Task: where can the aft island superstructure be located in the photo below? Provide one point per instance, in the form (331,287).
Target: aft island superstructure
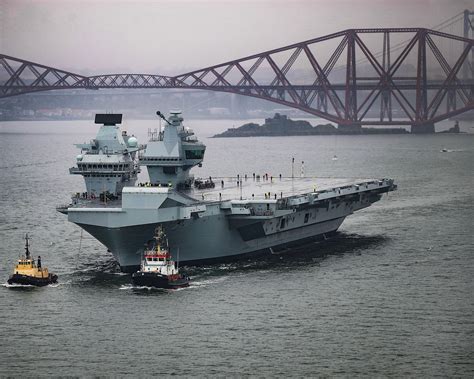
(208,221)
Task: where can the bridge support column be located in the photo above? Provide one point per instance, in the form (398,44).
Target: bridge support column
(423,128)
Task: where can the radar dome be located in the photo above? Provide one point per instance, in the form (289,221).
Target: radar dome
(79,157)
(132,142)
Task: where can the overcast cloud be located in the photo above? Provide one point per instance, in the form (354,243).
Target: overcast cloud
(169,37)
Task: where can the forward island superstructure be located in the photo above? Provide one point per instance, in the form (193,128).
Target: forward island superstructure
(205,222)
(107,162)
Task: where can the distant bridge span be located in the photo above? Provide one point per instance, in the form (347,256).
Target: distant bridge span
(353,77)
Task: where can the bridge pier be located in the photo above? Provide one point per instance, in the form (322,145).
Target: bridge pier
(349,128)
(423,128)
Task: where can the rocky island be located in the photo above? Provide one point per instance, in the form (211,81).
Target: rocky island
(281,125)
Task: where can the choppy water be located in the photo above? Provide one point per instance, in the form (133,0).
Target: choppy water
(390,295)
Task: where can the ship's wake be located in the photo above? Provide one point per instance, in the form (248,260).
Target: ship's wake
(24,286)
(146,289)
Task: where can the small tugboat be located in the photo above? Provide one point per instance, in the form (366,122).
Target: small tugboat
(157,269)
(27,272)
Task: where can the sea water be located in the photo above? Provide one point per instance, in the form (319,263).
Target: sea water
(390,295)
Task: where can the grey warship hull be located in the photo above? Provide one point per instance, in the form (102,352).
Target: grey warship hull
(204,220)
(210,248)
(219,230)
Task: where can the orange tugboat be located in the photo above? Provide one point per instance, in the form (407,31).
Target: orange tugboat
(157,269)
(27,272)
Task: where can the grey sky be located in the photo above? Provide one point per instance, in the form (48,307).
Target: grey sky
(169,37)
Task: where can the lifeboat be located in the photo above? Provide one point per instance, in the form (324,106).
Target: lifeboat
(157,269)
(28,272)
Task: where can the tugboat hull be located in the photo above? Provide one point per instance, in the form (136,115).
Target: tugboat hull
(149,279)
(32,281)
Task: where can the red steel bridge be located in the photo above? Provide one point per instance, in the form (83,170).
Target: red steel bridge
(395,76)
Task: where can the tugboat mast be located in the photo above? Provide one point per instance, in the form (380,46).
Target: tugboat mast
(27,251)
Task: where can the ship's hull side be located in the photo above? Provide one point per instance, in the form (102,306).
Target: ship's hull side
(209,239)
(32,281)
(218,231)
(150,279)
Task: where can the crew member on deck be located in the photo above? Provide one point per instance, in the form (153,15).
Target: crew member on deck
(39,261)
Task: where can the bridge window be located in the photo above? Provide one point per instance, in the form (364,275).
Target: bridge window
(194,154)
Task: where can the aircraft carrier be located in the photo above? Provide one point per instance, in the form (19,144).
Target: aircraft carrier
(204,219)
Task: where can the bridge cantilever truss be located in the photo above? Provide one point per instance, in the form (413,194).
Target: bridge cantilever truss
(353,77)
